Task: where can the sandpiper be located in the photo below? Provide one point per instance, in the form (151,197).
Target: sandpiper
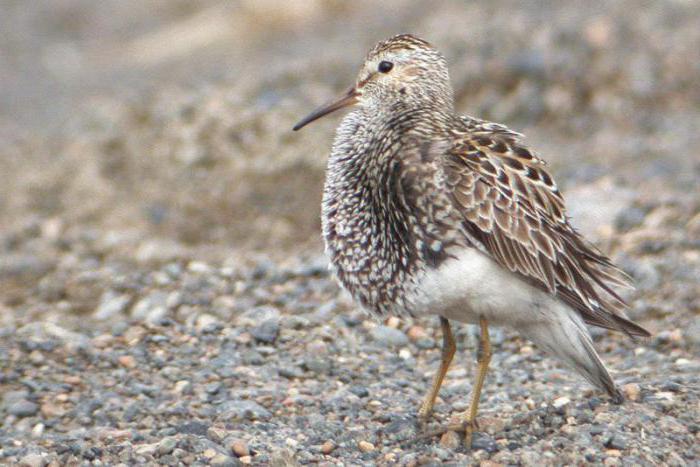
(429,212)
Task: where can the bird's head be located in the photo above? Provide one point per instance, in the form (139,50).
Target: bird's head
(401,71)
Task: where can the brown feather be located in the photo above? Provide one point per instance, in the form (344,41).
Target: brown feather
(518,214)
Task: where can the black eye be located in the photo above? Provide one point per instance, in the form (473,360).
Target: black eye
(385,67)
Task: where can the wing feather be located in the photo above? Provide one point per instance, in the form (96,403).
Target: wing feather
(512,206)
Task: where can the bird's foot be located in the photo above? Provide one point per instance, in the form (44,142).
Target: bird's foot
(467,427)
(423,416)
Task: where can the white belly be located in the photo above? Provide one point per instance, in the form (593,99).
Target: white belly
(473,285)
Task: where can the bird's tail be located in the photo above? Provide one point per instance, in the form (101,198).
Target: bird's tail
(567,338)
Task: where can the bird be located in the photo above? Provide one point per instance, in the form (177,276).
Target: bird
(426,212)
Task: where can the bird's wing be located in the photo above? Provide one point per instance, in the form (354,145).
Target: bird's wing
(513,209)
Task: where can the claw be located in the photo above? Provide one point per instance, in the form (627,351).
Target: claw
(467,427)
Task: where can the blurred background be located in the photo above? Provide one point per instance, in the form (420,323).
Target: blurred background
(135,133)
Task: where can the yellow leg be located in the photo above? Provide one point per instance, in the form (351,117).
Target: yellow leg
(484,358)
(448,351)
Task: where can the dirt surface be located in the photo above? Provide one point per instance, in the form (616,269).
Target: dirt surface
(163,293)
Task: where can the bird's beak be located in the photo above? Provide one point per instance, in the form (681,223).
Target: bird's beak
(348,98)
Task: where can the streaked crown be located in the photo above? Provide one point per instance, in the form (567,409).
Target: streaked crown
(404,69)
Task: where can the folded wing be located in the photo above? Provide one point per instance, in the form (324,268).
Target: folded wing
(513,209)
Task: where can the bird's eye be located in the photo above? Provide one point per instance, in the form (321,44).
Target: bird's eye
(385,67)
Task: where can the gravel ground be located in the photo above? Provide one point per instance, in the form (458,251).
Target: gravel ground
(163,296)
(268,364)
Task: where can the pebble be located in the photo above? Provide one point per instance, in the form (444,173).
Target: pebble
(631,391)
(222,460)
(147,449)
(450,440)
(266,331)
(243,410)
(365,446)
(616,441)
(416,333)
(327,447)
(38,430)
(207,323)
(166,445)
(561,402)
(485,442)
(216,434)
(127,361)
(183,387)
(23,408)
(151,308)
(111,305)
(388,336)
(34,460)
(239,447)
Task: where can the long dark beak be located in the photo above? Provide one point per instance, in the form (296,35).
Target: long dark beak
(349,98)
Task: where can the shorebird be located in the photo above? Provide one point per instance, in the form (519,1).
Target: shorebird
(426,212)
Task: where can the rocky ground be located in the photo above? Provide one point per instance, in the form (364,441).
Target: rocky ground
(163,293)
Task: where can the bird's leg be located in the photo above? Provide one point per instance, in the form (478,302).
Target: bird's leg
(483,358)
(469,424)
(448,351)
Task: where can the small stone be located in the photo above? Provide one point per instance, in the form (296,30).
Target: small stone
(198,267)
(492,425)
(266,331)
(38,430)
(359,391)
(111,305)
(243,410)
(33,460)
(127,361)
(36,357)
(216,434)
(416,332)
(482,441)
(183,387)
(193,428)
(631,391)
(152,308)
(561,402)
(327,447)
(166,445)
(102,341)
(246,460)
(146,449)
(425,343)
(616,442)
(389,337)
(113,434)
(365,446)
(23,408)
(222,460)
(318,365)
(393,322)
(239,447)
(450,440)
(207,323)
